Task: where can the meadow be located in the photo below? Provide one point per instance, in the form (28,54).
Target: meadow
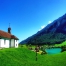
(24,57)
(62,44)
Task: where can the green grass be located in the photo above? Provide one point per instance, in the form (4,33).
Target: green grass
(25,57)
(62,44)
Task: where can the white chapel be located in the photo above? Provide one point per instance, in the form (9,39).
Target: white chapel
(8,40)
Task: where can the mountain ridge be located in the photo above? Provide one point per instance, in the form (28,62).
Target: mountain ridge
(54,31)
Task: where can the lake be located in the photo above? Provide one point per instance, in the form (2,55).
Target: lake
(53,50)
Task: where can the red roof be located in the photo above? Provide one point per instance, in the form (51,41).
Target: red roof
(7,35)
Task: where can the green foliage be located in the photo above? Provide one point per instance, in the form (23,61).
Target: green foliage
(25,57)
(48,38)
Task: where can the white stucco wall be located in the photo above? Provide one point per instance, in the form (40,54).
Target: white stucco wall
(4,44)
(7,43)
(12,43)
(0,42)
(16,43)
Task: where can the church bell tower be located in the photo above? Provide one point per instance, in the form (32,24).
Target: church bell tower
(9,29)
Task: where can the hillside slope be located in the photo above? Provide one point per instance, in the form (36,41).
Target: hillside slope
(25,57)
(56,32)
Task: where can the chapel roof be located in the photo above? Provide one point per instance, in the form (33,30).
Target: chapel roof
(7,35)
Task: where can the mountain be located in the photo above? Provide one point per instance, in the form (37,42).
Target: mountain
(51,34)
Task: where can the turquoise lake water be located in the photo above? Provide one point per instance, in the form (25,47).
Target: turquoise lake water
(53,50)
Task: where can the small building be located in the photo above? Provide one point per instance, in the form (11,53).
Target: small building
(8,40)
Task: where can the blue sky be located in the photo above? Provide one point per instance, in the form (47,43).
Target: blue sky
(26,17)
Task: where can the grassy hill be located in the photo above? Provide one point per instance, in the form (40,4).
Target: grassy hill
(61,44)
(25,57)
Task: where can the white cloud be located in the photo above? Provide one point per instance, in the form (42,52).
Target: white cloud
(45,25)
(39,29)
(49,22)
(42,27)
